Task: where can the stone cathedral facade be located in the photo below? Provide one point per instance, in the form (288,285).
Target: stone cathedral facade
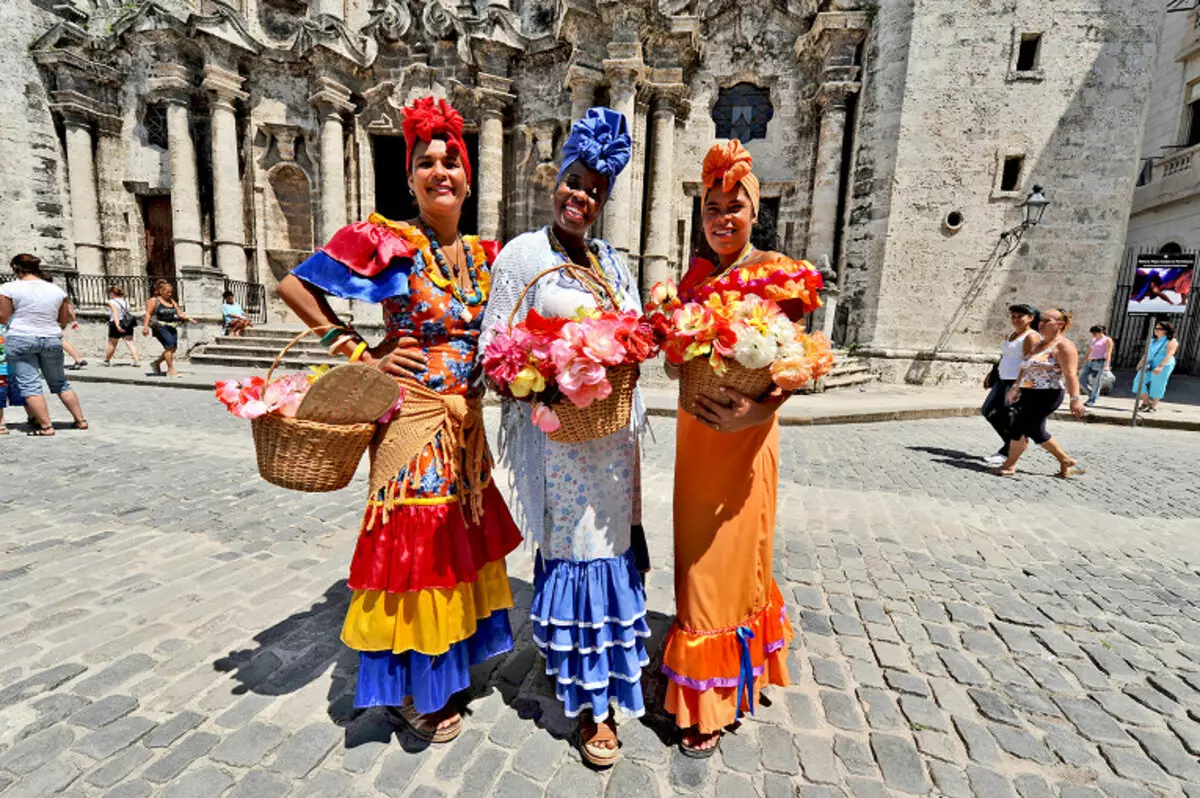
(895,140)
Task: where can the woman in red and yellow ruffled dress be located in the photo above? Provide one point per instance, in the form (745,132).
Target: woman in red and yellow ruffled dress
(731,631)
(431,592)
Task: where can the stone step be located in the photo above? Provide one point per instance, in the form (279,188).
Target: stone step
(258,364)
(263,345)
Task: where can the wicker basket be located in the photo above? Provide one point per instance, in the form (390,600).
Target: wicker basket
(699,379)
(602,418)
(307,455)
(304,455)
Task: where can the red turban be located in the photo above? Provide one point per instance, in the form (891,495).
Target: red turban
(429,118)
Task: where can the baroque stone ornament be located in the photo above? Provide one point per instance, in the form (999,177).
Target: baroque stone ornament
(394,20)
(437,20)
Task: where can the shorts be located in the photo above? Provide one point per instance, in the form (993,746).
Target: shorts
(167,335)
(30,359)
(116,332)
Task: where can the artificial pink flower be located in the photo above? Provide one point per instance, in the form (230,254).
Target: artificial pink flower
(545,419)
(504,358)
(600,341)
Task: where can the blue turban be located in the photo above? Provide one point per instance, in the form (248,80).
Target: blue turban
(601,140)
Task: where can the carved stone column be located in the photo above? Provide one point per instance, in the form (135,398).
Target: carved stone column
(827,176)
(81,180)
(582,82)
(493,99)
(623,71)
(331,99)
(229,216)
(173,86)
(656,259)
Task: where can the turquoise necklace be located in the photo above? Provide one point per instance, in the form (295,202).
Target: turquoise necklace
(448,275)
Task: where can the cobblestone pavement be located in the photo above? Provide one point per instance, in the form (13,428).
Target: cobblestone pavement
(169,626)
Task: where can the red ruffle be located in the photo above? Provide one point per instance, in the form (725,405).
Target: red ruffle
(367,248)
(432,546)
(490,248)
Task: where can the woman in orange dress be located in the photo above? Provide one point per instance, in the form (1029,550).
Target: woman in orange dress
(731,631)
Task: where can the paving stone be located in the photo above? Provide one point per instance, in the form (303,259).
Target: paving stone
(890,655)
(882,712)
(1187,731)
(106,741)
(907,683)
(800,707)
(828,673)
(923,714)
(36,750)
(247,746)
(367,737)
(778,786)
(983,642)
(1166,750)
(631,780)
(1068,746)
(965,613)
(740,751)
(514,786)
(51,778)
(1047,674)
(327,784)
(104,711)
(1092,721)
(482,772)
(1131,763)
(171,730)
(121,671)
(981,746)
(854,754)
(539,757)
(638,741)
(841,710)
(815,623)
(426,791)
(816,791)
(1019,640)
(400,766)
(1031,701)
(1078,791)
(305,749)
(1125,709)
(1175,689)
(961,669)
(510,730)
(180,756)
(939,745)
(1031,786)
(949,780)
(40,682)
(1091,677)
(901,765)
(1058,643)
(203,782)
(690,775)
(993,707)
(988,783)
(119,766)
(778,751)
(1022,744)
(261,784)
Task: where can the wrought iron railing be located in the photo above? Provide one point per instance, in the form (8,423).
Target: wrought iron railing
(252,297)
(7,276)
(91,290)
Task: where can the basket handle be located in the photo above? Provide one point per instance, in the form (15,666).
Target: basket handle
(569,267)
(321,330)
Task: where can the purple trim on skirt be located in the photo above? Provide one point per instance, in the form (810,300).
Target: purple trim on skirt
(722,681)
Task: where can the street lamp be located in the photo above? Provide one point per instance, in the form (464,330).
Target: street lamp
(1035,205)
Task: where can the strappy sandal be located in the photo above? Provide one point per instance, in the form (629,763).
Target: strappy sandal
(81,424)
(42,432)
(1072,470)
(605,732)
(426,726)
(699,753)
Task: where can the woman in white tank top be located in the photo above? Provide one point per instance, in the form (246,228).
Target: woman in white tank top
(1013,351)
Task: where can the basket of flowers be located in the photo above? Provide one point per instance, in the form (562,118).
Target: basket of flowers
(311,430)
(729,335)
(579,373)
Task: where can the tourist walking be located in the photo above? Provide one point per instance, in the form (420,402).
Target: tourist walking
(1150,388)
(35,311)
(121,325)
(431,592)
(1099,363)
(235,319)
(730,635)
(575,501)
(1038,392)
(1016,347)
(163,313)
(8,386)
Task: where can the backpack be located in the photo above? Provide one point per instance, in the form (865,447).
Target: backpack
(124,317)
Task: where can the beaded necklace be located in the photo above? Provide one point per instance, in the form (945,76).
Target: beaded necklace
(593,278)
(449,276)
(745,253)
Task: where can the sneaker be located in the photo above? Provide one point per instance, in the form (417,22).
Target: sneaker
(996,459)
(1089,404)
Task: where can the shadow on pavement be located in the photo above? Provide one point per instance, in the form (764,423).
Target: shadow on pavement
(951,453)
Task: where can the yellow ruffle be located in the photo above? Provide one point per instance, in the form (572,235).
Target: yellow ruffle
(428,621)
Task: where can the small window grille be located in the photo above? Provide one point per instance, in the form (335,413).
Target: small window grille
(155,122)
(1029,52)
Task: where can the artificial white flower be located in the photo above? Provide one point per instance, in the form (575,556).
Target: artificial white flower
(753,349)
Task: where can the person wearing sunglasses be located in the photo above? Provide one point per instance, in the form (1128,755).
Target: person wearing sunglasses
(1150,388)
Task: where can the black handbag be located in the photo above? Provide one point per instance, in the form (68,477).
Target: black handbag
(992,377)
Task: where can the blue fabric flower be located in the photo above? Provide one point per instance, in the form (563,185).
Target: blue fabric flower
(602,141)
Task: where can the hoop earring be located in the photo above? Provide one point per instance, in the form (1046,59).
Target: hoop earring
(468,191)
(411,193)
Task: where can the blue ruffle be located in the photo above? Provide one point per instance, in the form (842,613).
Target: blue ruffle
(589,622)
(386,678)
(332,277)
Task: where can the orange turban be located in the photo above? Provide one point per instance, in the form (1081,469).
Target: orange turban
(730,163)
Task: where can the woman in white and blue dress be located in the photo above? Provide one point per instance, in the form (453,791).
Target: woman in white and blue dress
(575,501)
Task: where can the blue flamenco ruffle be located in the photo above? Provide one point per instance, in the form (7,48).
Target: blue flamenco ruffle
(385,678)
(334,277)
(589,622)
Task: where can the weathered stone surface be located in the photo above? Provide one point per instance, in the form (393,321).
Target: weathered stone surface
(247,746)
(900,763)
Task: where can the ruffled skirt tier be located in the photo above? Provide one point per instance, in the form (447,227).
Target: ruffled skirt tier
(589,622)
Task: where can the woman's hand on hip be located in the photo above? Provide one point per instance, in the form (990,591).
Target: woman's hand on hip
(400,358)
(1158,370)
(740,413)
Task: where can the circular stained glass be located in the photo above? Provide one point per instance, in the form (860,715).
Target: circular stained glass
(742,112)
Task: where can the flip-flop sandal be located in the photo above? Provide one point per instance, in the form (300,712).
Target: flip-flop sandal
(426,727)
(1073,470)
(699,753)
(81,425)
(598,756)
(42,432)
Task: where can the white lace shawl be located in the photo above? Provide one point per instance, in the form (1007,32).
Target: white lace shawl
(522,446)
